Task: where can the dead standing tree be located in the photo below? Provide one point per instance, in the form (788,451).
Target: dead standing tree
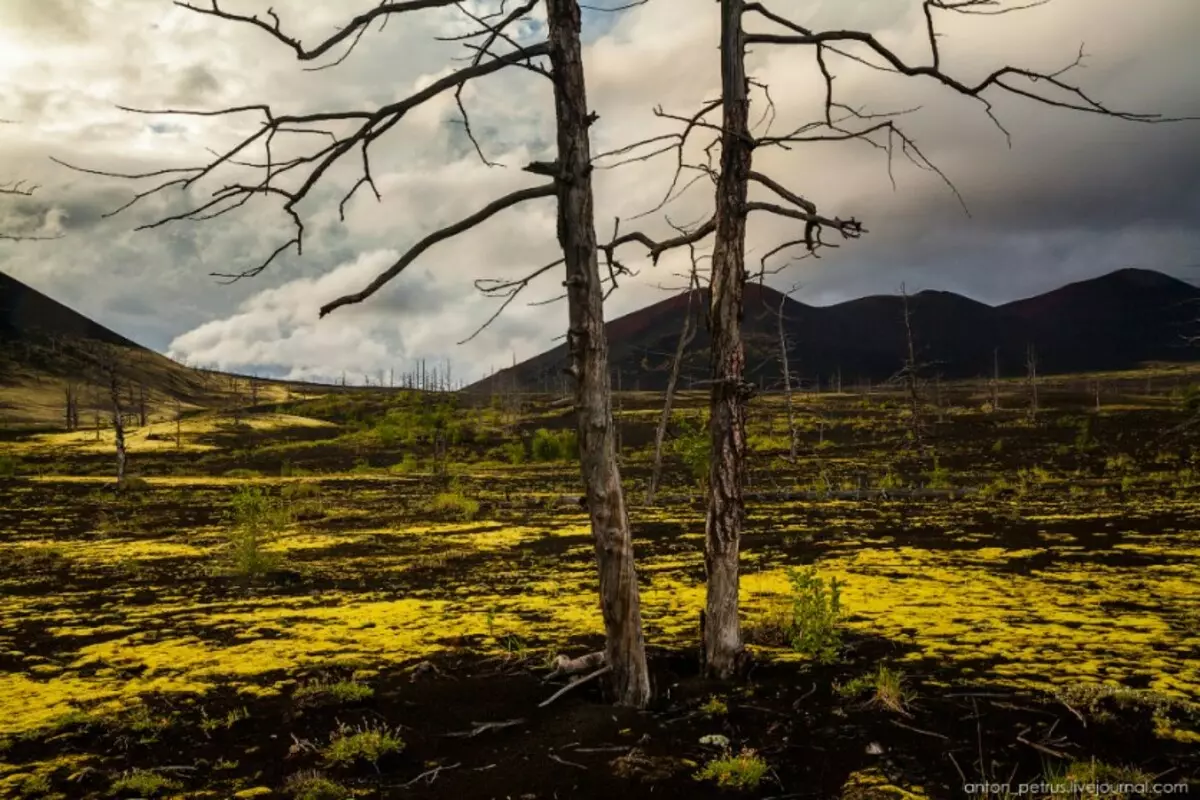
(354,133)
(733,178)
(685,338)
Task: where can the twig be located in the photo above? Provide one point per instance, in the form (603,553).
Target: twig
(575,684)
(900,724)
(430,775)
(564,761)
(483,727)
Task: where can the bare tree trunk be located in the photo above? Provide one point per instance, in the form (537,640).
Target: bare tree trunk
(910,376)
(685,338)
(720,626)
(1096,389)
(996,379)
(1031,378)
(787,381)
(625,649)
(178,425)
(118,424)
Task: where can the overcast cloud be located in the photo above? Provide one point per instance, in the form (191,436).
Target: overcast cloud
(1076,195)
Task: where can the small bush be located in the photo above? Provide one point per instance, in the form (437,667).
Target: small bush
(514,453)
(561,445)
(939,478)
(367,743)
(257,519)
(692,446)
(455,504)
(144,784)
(743,771)
(9,465)
(816,614)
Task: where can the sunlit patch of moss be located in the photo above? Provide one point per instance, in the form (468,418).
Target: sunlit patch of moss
(743,771)
(872,784)
(319,692)
(366,743)
(312,785)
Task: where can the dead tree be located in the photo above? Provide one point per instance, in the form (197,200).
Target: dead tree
(178,425)
(733,177)
(1031,378)
(114,390)
(910,376)
(567,179)
(995,379)
(784,362)
(72,406)
(685,338)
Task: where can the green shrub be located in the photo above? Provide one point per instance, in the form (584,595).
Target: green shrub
(242,473)
(939,478)
(257,521)
(561,445)
(454,503)
(9,465)
(144,783)
(816,614)
(514,452)
(406,466)
(693,447)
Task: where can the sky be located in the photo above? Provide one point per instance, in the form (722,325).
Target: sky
(1072,197)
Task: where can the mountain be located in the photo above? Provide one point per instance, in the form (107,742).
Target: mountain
(1116,321)
(46,347)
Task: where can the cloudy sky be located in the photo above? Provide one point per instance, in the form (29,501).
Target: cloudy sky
(1074,197)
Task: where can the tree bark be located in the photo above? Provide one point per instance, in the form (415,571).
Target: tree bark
(625,649)
(685,338)
(727,403)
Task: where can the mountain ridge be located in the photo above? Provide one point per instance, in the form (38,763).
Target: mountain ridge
(1114,321)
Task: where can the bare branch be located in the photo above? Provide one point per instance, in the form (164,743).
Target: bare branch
(1074,97)
(352,30)
(465,224)
(508,290)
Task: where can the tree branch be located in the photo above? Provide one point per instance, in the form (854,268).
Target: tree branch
(465,224)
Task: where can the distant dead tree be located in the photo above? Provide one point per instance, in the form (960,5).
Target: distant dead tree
(785,365)
(909,376)
(686,335)
(1031,378)
(995,379)
(733,177)
(338,136)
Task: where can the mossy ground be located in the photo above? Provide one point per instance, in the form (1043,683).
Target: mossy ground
(134,658)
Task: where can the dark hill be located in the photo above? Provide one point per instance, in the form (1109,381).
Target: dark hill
(1116,321)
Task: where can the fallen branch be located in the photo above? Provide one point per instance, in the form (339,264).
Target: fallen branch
(484,727)
(564,761)
(575,684)
(429,775)
(899,724)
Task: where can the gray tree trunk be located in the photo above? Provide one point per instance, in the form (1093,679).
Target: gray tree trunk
(720,626)
(625,650)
